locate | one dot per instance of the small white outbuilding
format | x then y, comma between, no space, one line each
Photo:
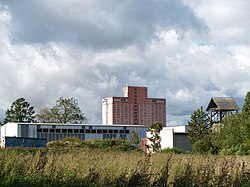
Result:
175,136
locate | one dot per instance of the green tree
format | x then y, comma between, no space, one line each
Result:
246,106
230,132
66,110
20,111
246,115
199,125
154,138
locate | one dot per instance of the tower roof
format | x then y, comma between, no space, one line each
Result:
222,104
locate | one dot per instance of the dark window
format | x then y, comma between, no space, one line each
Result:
58,130
110,131
39,130
52,130
99,131
104,131
81,130
45,130
121,131
115,131
93,131
87,131
127,131
70,130
76,130
64,130
53,126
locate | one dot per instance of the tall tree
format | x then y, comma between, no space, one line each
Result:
66,110
246,106
246,115
199,125
20,111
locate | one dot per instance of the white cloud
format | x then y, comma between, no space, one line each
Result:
91,49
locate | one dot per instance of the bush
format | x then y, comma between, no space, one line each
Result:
106,144
236,150
173,150
201,146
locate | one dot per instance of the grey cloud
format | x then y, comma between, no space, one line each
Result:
98,25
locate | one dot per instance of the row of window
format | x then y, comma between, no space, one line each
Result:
110,136
82,131
53,137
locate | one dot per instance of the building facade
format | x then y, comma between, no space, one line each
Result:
171,137
133,108
52,132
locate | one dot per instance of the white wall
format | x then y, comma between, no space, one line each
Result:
167,138
107,111
9,129
167,135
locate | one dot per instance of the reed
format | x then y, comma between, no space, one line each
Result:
93,167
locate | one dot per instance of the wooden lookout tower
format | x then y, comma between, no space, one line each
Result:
219,107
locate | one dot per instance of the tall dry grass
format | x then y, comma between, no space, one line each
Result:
87,167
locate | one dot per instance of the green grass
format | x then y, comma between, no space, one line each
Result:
93,167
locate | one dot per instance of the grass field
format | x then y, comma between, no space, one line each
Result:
92,167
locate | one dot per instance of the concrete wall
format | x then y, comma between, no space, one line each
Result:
167,138
9,129
175,136
107,111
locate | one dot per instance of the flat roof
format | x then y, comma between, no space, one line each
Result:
99,125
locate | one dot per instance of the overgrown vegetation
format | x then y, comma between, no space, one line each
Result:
93,167
106,144
173,150
154,139
230,137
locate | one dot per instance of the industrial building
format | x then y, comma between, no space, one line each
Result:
52,132
133,108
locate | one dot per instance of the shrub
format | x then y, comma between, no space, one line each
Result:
173,150
236,150
106,144
201,146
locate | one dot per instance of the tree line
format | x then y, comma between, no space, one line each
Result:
230,136
66,110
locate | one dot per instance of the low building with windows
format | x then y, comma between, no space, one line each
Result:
52,132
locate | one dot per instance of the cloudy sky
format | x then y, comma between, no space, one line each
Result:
186,51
